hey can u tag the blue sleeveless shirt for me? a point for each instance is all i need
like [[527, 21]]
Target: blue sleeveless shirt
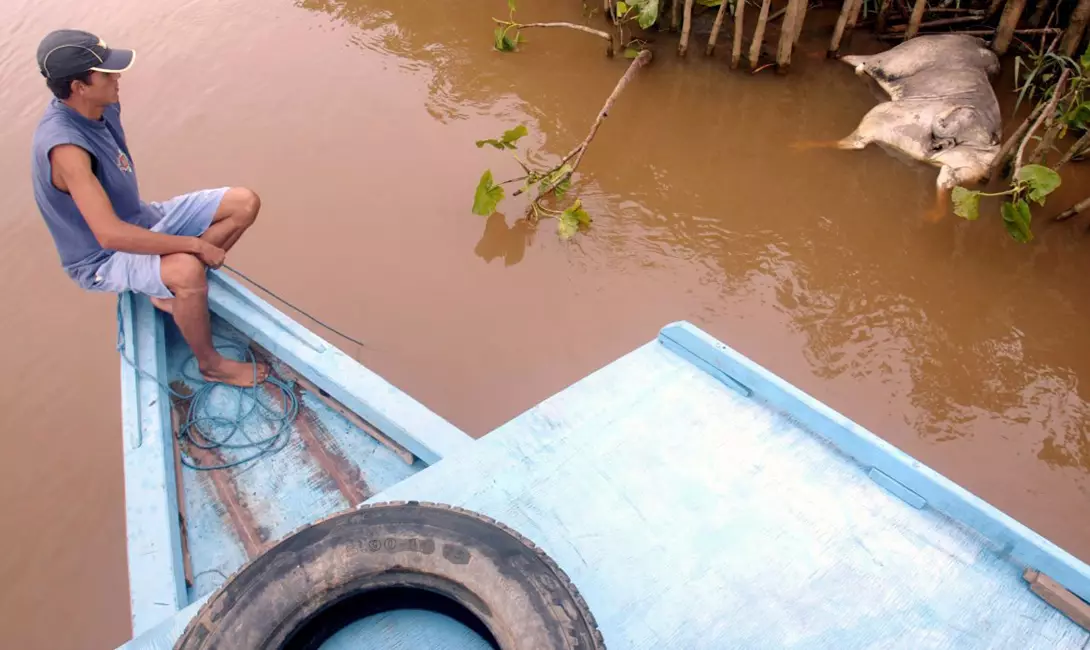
[[104, 139]]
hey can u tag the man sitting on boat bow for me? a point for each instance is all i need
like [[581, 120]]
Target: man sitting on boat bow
[[107, 237]]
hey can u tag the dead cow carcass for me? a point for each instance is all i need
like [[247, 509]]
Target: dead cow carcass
[[942, 108]]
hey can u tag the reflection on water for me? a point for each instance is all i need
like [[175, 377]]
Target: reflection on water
[[356, 121]]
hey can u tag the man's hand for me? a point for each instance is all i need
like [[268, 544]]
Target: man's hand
[[212, 256]]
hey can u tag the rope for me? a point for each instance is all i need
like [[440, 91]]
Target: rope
[[212, 432], [268, 291]]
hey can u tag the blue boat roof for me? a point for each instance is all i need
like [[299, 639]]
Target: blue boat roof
[[698, 501]]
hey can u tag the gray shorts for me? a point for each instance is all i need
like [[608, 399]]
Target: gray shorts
[[188, 215]]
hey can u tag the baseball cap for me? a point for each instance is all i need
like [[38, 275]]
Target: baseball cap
[[66, 52]]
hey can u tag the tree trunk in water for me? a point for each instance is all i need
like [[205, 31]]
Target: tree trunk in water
[[1073, 35], [1007, 24], [710, 49], [736, 48], [787, 34], [917, 16], [759, 34], [838, 32], [686, 26]]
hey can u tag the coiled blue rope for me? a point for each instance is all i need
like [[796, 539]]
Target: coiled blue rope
[[219, 433]]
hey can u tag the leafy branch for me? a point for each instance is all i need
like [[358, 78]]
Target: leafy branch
[[554, 181], [504, 41], [1030, 183]]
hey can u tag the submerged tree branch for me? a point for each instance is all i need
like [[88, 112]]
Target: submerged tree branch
[[576, 154], [1073, 210], [1080, 145]]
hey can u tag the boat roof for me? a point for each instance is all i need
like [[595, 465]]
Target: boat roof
[[697, 500]]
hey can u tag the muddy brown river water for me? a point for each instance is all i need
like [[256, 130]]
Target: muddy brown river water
[[355, 120]]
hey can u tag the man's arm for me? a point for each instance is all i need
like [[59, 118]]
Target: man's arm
[[72, 167]]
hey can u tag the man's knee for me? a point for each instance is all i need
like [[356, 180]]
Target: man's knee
[[249, 204], [183, 273]]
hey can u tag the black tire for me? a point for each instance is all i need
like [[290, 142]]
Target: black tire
[[393, 556]]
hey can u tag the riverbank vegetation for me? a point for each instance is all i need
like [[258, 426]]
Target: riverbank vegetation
[[1042, 37]]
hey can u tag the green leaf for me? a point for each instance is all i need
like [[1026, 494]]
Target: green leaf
[[487, 196], [512, 136], [555, 177], [502, 41], [631, 52], [576, 211], [1041, 181], [567, 225], [495, 143], [1016, 217], [648, 11], [622, 8], [1084, 62], [966, 203], [511, 5], [562, 187]]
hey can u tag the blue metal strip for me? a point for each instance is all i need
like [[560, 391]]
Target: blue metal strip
[[156, 575], [871, 451]]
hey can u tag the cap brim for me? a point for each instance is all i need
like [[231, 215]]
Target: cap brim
[[116, 61]]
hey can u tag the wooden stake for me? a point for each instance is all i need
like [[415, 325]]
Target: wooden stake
[[940, 22], [759, 33], [1076, 28], [1080, 145], [736, 47], [787, 35], [800, 19], [1073, 210], [686, 25], [710, 49], [1007, 24], [674, 18], [1039, 12], [883, 16], [917, 16], [993, 7], [841, 23]]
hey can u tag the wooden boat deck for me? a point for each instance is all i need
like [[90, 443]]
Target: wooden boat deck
[[699, 502]]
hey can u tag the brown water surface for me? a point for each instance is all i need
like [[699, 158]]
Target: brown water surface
[[355, 121]]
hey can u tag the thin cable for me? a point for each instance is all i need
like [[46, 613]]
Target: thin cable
[[271, 293], [212, 432]]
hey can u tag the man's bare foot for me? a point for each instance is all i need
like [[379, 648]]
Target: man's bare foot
[[235, 373], [163, 304]]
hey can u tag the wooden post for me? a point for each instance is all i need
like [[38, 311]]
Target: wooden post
[[800, 19], [710, 49], [736, 47], [1073, 35], [787, 34], [853, 20], [686, 26], [674, 14], [993, 7], [917, 15], [1007, 24], [883, 16], [841, 23], [758, 34]]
